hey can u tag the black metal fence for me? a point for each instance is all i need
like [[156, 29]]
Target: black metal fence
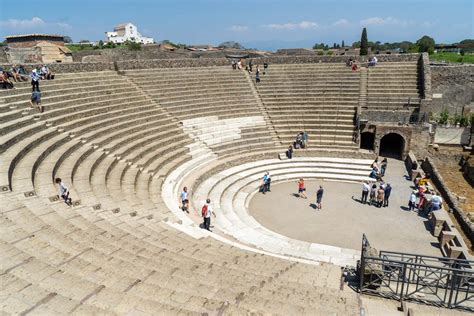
[[439, 281]]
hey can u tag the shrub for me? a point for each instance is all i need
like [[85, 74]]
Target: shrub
[[330, 52], [466, 119], [134, 46], [320, 53], [443, 117]]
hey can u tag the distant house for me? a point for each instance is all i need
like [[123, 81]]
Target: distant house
[[37, 48], [127, 32]]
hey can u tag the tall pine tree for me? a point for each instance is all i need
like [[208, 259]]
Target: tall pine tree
[[364, 44]]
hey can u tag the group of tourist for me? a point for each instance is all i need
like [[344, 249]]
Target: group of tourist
[[17, 73], [378, 194], [354, 66], [301, 141], [302, 193], [206, 211], [249, 68], [425, 198], [372, 61]]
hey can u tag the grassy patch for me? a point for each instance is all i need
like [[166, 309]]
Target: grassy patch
[[453, 58], [79, 47]]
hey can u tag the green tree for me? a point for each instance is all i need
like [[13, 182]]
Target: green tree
[[364, 43], [426, 44], [356, 44], [342, 44]]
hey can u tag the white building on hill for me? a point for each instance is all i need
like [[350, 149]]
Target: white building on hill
[[127, 32]]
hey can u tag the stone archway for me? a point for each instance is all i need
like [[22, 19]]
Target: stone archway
[[392, 145], [367, 140]]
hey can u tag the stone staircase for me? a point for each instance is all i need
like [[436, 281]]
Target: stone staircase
[[263, 109], [117, 250], [318, 98], [363, 88], [393, 86], [125, 247], [206, 92]]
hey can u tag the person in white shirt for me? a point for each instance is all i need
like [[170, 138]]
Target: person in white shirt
[[412, 201], [207, 212], [435, 203], [365, 192], [63, 191]]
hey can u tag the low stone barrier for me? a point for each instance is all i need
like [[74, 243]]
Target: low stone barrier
[[207, 62], [463, 220], [68, 67]]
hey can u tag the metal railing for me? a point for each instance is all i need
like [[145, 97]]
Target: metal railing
[[439, 281]]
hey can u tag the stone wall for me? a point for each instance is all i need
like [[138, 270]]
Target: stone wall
[[99, 65], [401, 116], [150, 52], [416, 137], [206, 62], [452, 87], [69, 67], [466, 225], [452, 135]]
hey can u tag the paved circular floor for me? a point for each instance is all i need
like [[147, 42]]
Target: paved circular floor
[[343, 219]]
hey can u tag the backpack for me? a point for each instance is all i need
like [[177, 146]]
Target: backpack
[[204, 210]]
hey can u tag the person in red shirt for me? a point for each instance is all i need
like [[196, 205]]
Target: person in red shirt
[[301, 189]]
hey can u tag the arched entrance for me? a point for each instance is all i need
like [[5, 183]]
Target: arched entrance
[[367, 140], [392, 145]]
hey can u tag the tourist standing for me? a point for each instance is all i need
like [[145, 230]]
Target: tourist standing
[[373, 192], [63, 191], [387, 192], [412, 201], [421, 195], [36, 100], [265, 68], [380, 196], [265, 186], [319, 197], [383, 167], [301, 189], [365, 192], [184, 199], [35, 77], [289, 152], [206, 213], [257, 76]]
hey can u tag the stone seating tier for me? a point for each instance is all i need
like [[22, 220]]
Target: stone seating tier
[[122, 249]]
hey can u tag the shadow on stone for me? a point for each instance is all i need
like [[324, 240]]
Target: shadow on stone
[[404, 208], [312, 205], [357, 200]]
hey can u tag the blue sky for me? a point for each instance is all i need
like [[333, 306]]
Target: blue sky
[[260, 24]]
